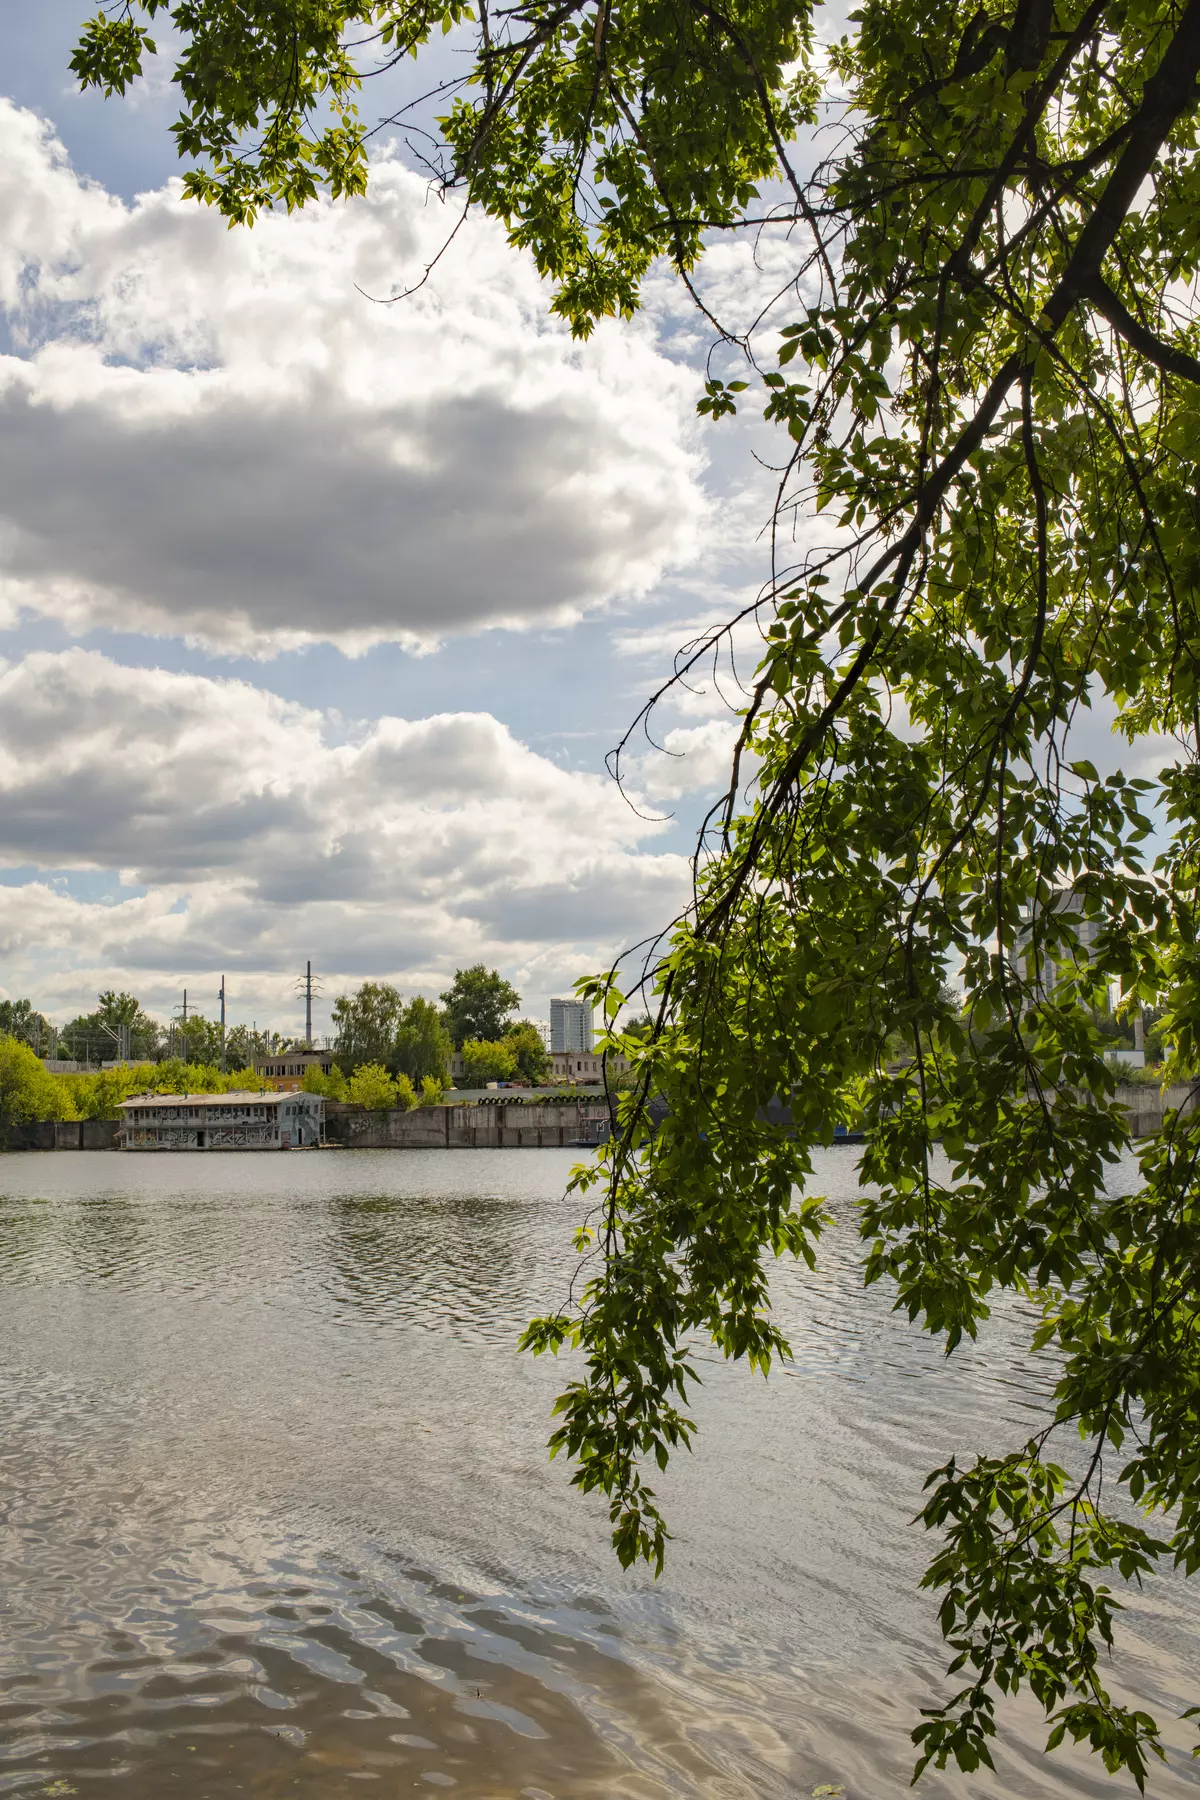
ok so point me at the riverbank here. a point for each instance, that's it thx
(506, 1122)
(494, 1124)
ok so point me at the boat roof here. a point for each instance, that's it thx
(235, 1097)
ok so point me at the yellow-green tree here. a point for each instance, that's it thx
(28, 1091)
(529, 1050)
(487, 1060)
(333, 1086)
(373, 1087)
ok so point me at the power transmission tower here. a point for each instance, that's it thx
(183, 1011)
(221, 998)
(308, 985)
(122, 1037)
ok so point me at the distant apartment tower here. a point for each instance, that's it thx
(1044, 970)
(570, 1025)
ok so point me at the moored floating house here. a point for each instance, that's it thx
(236, 1121)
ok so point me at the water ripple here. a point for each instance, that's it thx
(276, 1516)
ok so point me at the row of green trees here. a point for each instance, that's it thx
(118, 1026)
(375, 1026)
(374, 1085)
(30, 1092)
(389, 1053)
(416, 1040)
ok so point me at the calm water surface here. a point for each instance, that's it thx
(276, 1517)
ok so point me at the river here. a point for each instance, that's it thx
(276, 1517)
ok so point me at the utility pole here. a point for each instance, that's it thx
(221, 998)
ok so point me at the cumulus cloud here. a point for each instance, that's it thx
(691, 759)
(217, 434)
(264, 833)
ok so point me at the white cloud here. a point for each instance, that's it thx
(692, 759)
(418, 846)
(215, 434)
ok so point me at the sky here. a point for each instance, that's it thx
(319, 611)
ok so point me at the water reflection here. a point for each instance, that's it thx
(276, 1517)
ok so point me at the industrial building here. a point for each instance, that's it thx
(286, 1069)
(236, 1121)
(571, 1026)
(586, 1066)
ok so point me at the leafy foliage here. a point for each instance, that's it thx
(478, 1003)
(487, 1060)
(99, 1096)
(372, 1086)
(367, 1022)
(20, 1019)
(422, 1046)
(333, 1086)
(602, 138)
(989, 389)
(529, 1049)
(28, 1091)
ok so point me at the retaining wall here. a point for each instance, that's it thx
(1146, 1104)
(65, 1134)
(491, 1125)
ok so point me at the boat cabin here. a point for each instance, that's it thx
(237, 1121)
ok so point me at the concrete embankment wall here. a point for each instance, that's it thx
(65, 1134)
(507, 1125)
(1146, 1104)
(489, 1126)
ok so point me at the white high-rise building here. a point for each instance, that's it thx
(570, 1025)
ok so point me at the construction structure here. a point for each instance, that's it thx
(570, 1026)
(233, 1121)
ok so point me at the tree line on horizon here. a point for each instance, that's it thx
(387, 1052)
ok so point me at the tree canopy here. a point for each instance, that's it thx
(367, 1021)
(477, 1004)
(528, 1045)
(985, 371)
(118, 1028)
(422, 1045)
(487, 1060)
(27, 1089)
(20, 1019)
(371, 1085)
